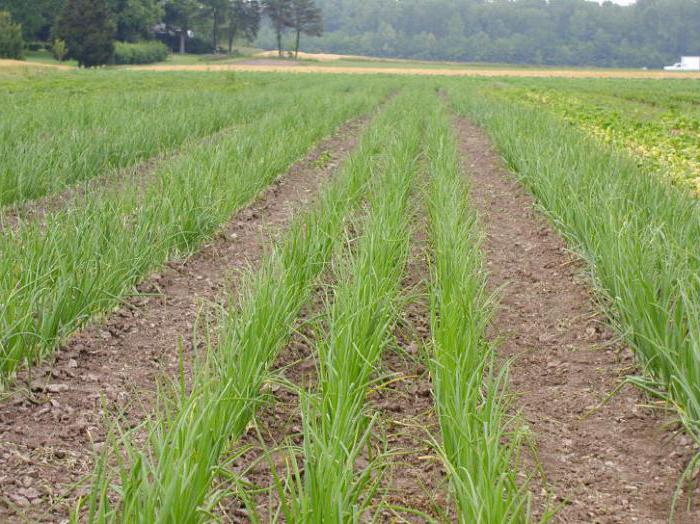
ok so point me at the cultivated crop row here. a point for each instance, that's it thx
(56, 275)
(169, 475)
(68, 129)
(170, 480)
(479, 447)
(362, 312)
(659, 131)
(638, 234)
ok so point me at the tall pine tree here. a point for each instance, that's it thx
(243, 19)
(304, 17)
(86, 28)
(279, 13)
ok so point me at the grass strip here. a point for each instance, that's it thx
(364, 308)
(56, 276)
(480, 446)
(638, 235)
(170, 480)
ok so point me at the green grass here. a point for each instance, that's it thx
(169, 481)
(638, 235)
(480, 443)
(361, 314)
(57, 275)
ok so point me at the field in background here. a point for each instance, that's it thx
(346, 369)
(252, 60)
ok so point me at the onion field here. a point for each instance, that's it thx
(316, 298)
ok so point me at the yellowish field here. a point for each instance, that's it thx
(504, 72)
(8, 63)
(264, 63)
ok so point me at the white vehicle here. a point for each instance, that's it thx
(687, 63)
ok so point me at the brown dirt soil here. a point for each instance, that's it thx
(527, 73)
(603, 463)
(54, 418)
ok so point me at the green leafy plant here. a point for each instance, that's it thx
(363, 309)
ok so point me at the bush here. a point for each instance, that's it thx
(87, 29)
(199, 46)
(141, 53)
(59, 50)
(11, 43)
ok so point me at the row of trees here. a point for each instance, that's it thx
(89, 27)
(562, 32)
(559, 32)
(241, 18)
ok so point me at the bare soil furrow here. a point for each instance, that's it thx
(275, 438)
(54, 416)
(603, 463)
(415, 482)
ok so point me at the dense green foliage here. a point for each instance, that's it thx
(573, 32)
(37, 17)
(361, 312)
(479, 448)
(134, 19)
(11, 43)
(140, 53)
(59, 50)
(78, 129)
(87, 29)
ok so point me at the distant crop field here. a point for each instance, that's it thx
(659, 124)
(419, 69)
(236, 293)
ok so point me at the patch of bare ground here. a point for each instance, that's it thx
(53, 418)
(113, 181)
(615, 462)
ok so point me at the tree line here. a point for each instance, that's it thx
(88, 28)
(650, 33)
